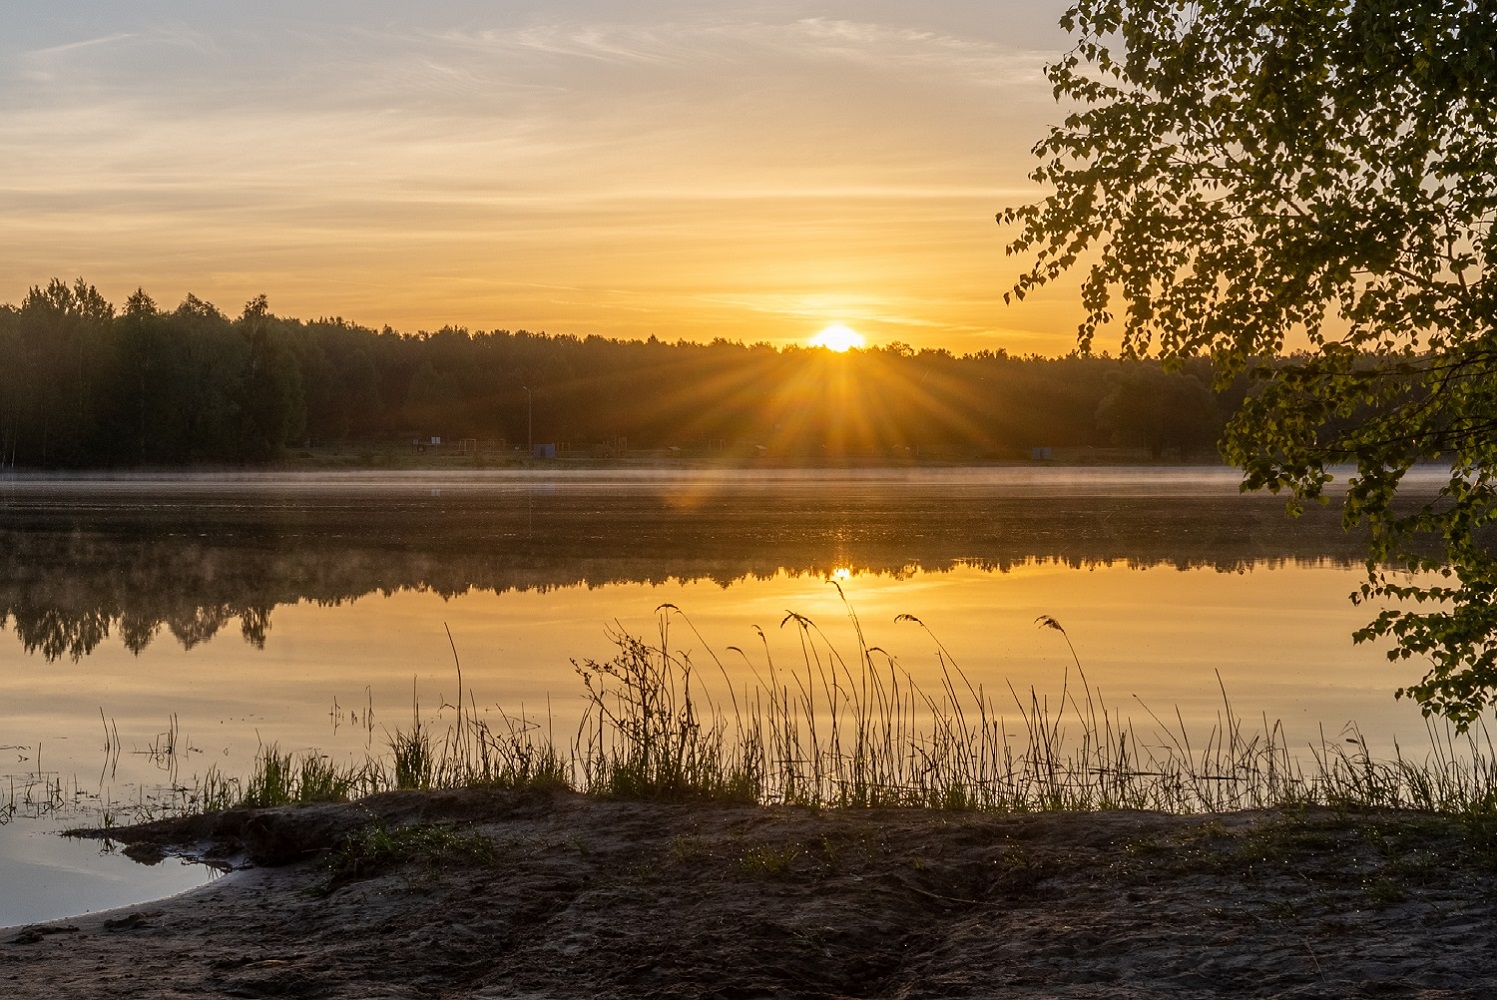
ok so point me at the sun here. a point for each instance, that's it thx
(838, 338)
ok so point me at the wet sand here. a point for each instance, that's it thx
(500, 894)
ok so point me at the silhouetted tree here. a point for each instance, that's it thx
(272, 400)
(1236, 175)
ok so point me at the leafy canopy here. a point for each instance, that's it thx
(1242, 175)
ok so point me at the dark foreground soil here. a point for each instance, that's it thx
(494, 894)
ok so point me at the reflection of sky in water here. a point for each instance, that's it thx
(1163, 581)
(44, 877)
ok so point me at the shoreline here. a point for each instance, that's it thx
(401, 457)
(487, 893)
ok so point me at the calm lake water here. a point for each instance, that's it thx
(210, 615)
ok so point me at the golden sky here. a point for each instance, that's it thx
(755, 171)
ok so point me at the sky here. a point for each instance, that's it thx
(690, 170)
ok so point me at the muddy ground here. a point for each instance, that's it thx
(494, 894)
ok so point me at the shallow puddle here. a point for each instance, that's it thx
(46, 876)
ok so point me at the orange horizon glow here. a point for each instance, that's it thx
(569, 168)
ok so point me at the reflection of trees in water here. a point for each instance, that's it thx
(75, 576)
(75, 632)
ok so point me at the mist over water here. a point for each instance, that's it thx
(183, 557)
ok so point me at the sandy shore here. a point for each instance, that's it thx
(494, 894)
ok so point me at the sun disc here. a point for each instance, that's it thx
(838, 338)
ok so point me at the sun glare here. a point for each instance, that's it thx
(838, 338)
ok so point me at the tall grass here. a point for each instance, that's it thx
(852, 728)
(646, 735)
(283, 778)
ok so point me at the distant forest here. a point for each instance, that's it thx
(86, 384)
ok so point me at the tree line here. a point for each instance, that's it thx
(86, 384)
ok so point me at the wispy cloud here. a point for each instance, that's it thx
(702, 158)
(52, 52)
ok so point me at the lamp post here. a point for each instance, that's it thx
(529, 421)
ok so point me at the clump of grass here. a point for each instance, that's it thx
(767, 859)
(285, 779)
(1457, 775)
(689, 848)
(320, 780)
(510, 753)
(376, 849)
(415, 759)
(272, 783)
(216, 792)
(645, 734)
(513, 754)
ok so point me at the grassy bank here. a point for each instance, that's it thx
(854, 730)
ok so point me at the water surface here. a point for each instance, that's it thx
(157, 627)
